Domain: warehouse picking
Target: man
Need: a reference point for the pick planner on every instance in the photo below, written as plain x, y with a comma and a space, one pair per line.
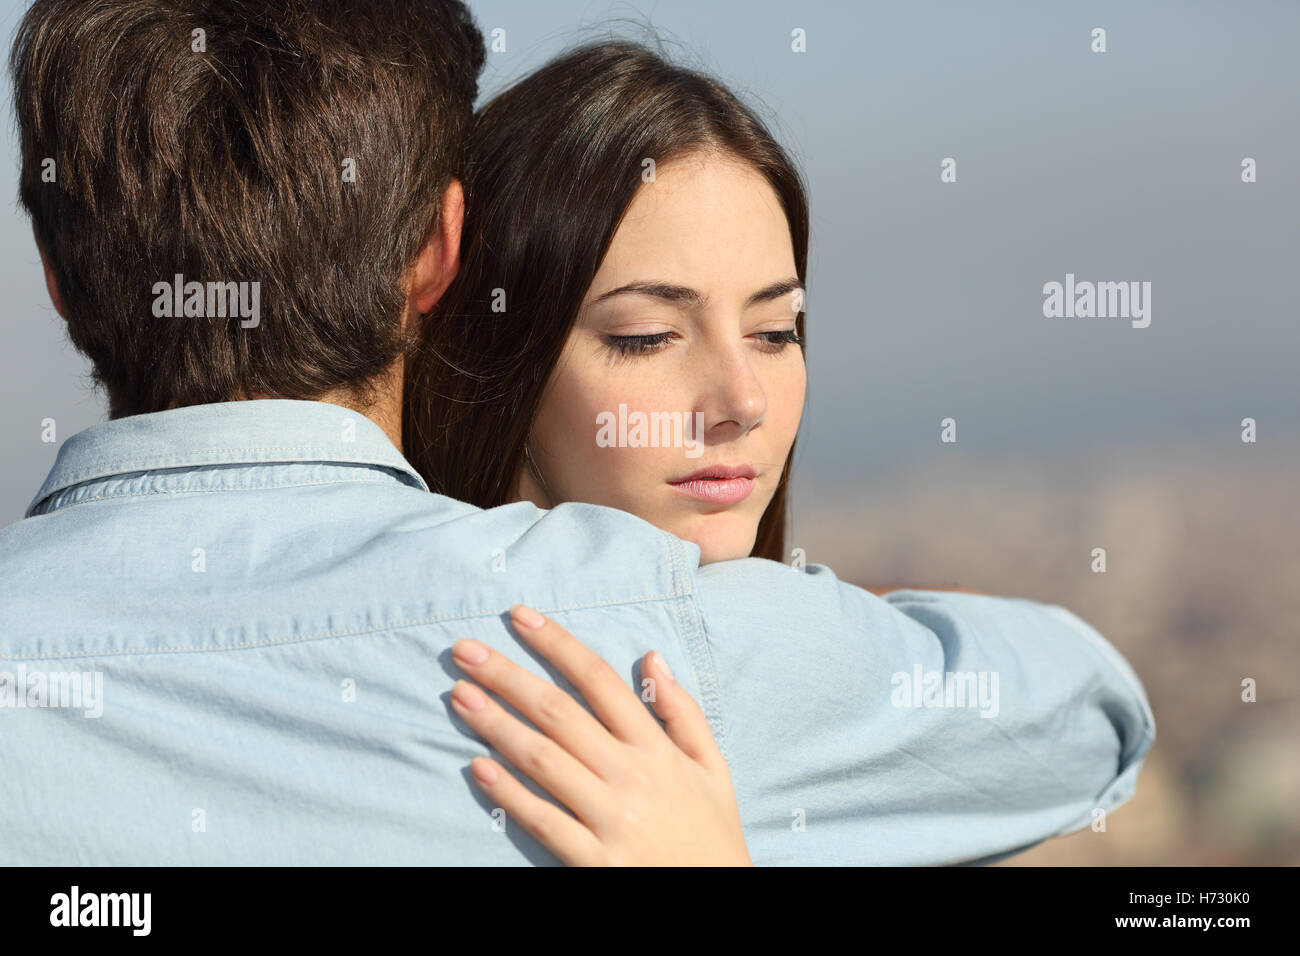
226, 618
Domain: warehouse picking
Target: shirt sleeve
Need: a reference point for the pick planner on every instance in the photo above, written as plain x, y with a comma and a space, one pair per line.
918, 727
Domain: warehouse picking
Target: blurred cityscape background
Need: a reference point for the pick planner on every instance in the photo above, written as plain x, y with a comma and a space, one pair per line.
1201, 590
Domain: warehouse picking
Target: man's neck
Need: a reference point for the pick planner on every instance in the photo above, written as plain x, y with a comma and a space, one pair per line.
383, 404
388, 416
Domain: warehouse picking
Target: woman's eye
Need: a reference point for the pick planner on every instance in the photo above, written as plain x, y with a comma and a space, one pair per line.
637, 344
625, 345
776, 341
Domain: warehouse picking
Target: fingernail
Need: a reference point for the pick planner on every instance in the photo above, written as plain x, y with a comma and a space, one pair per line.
468, 696
526, 617
469, 652
663, 665
483, 772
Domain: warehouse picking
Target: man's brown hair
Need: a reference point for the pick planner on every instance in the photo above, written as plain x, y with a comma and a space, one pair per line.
211, 139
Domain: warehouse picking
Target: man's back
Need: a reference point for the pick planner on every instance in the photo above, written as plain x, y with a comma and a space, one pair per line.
265, 597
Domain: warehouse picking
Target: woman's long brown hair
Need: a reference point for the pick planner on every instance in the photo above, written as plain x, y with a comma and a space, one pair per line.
554, 163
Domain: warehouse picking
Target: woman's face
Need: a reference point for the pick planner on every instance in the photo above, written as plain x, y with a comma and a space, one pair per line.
681, 385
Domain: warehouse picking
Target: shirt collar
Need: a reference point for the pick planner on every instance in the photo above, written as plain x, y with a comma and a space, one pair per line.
228, 433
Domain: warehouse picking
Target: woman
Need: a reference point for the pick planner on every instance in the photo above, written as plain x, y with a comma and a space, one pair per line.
626, 329
627, 325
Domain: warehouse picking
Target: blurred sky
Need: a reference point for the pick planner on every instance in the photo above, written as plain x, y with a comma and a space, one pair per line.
925, 299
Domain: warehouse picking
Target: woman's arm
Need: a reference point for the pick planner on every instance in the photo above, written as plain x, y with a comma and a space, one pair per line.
918, 727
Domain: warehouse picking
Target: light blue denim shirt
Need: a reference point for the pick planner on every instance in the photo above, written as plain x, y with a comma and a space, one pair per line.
225, 633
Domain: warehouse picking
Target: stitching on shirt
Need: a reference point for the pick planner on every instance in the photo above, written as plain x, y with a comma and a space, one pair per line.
50, 509
329, 635
697, 648
95, 467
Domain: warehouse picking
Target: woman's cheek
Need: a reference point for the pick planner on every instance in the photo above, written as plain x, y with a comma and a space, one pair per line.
590, 457
794, 390
588, 460
636, 462
784, 385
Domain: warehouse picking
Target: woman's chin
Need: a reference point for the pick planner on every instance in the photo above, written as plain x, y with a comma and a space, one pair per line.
719, 540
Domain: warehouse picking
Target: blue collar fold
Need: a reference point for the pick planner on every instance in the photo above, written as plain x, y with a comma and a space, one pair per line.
229, 433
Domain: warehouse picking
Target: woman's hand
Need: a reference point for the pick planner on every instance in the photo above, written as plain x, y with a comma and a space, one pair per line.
641, 796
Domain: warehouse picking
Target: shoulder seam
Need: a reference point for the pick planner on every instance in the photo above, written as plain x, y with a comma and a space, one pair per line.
332, 634
691, 627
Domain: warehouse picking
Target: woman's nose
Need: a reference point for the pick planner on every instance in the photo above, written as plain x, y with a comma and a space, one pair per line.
732, 398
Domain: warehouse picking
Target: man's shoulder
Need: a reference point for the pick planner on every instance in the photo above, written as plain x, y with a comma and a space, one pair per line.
569, 556
209, 570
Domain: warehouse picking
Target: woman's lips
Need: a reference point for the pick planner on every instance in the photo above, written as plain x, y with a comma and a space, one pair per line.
723, 485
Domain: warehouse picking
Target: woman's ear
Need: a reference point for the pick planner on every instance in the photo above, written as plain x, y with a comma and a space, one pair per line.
51, 283
439, 260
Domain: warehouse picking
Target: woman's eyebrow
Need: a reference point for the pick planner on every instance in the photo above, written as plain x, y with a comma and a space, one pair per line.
684, 295
660, 290
774, 291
